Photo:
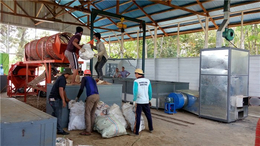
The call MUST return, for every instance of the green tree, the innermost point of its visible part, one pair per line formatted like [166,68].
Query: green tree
[6,37]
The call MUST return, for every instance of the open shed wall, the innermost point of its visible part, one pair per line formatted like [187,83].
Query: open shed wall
[185,70]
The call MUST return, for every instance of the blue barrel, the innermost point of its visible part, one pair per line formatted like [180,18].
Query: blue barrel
[178,100]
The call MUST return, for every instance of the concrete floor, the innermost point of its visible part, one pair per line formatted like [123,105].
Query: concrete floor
[172,132]
[191,131]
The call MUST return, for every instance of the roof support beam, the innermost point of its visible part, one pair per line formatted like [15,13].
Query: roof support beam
[200,29]
[149,17]
[39,10]
[212,10]
[87,11]
[50,10]
[51,17]
[117,6]
[212,20]
[7,6]
[177,7]
[156,13]
[104,13]
[219,17]
[116,37]
[127,9]
[32,17]
[150,31]
[24,11]
[201,23]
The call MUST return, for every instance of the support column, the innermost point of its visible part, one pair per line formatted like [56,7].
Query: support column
[143,54]
[155,52]
[122,45]
[206,32]
[146,48]
[155,42]
[178,41]
[7,44]
[242,33]
[109,49]
[137,44]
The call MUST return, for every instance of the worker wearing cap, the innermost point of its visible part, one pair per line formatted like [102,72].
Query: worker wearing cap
[91,100]
[58,99]
[142,91]
[70,52]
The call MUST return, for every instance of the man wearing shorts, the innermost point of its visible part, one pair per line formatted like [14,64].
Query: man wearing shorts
[70,52]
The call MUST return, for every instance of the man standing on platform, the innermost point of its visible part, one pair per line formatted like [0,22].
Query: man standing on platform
[58,99]
[70,52]
[91,100]
[101,56]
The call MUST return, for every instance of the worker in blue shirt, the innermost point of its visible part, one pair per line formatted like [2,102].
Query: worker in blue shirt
[91,100]
[124,73]
[142,91]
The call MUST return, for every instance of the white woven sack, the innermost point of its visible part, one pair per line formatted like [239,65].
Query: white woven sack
[88,54]
[61,141]
[117,113]
[129,114]
[77,115]
[102,109]
[108,126]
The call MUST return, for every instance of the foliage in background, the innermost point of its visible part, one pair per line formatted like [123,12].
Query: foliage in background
[190,44]
[14,38]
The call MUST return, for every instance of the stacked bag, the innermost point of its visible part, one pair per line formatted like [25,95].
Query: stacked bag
[109,122]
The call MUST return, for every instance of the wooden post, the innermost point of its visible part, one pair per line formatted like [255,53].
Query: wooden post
[109,49]
[137,44]
[122,45]
[178,41]
[242,33]
[206,32]
[155,42]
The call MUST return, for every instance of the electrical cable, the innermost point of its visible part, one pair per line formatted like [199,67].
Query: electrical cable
[232,43]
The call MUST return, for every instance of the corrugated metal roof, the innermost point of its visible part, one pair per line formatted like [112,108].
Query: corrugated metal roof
[166,16]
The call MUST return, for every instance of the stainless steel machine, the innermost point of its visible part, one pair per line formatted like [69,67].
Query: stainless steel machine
[224,84]
[224,80]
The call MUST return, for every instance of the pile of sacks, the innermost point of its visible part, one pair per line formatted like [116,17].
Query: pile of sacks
[109,122]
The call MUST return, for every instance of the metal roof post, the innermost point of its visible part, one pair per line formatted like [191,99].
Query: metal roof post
[206,32]
[93,16]
[178,41]
[137,44]
[155,42]
[143,55]
[109,49]
[122,45]
[242,33]
[223,24]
